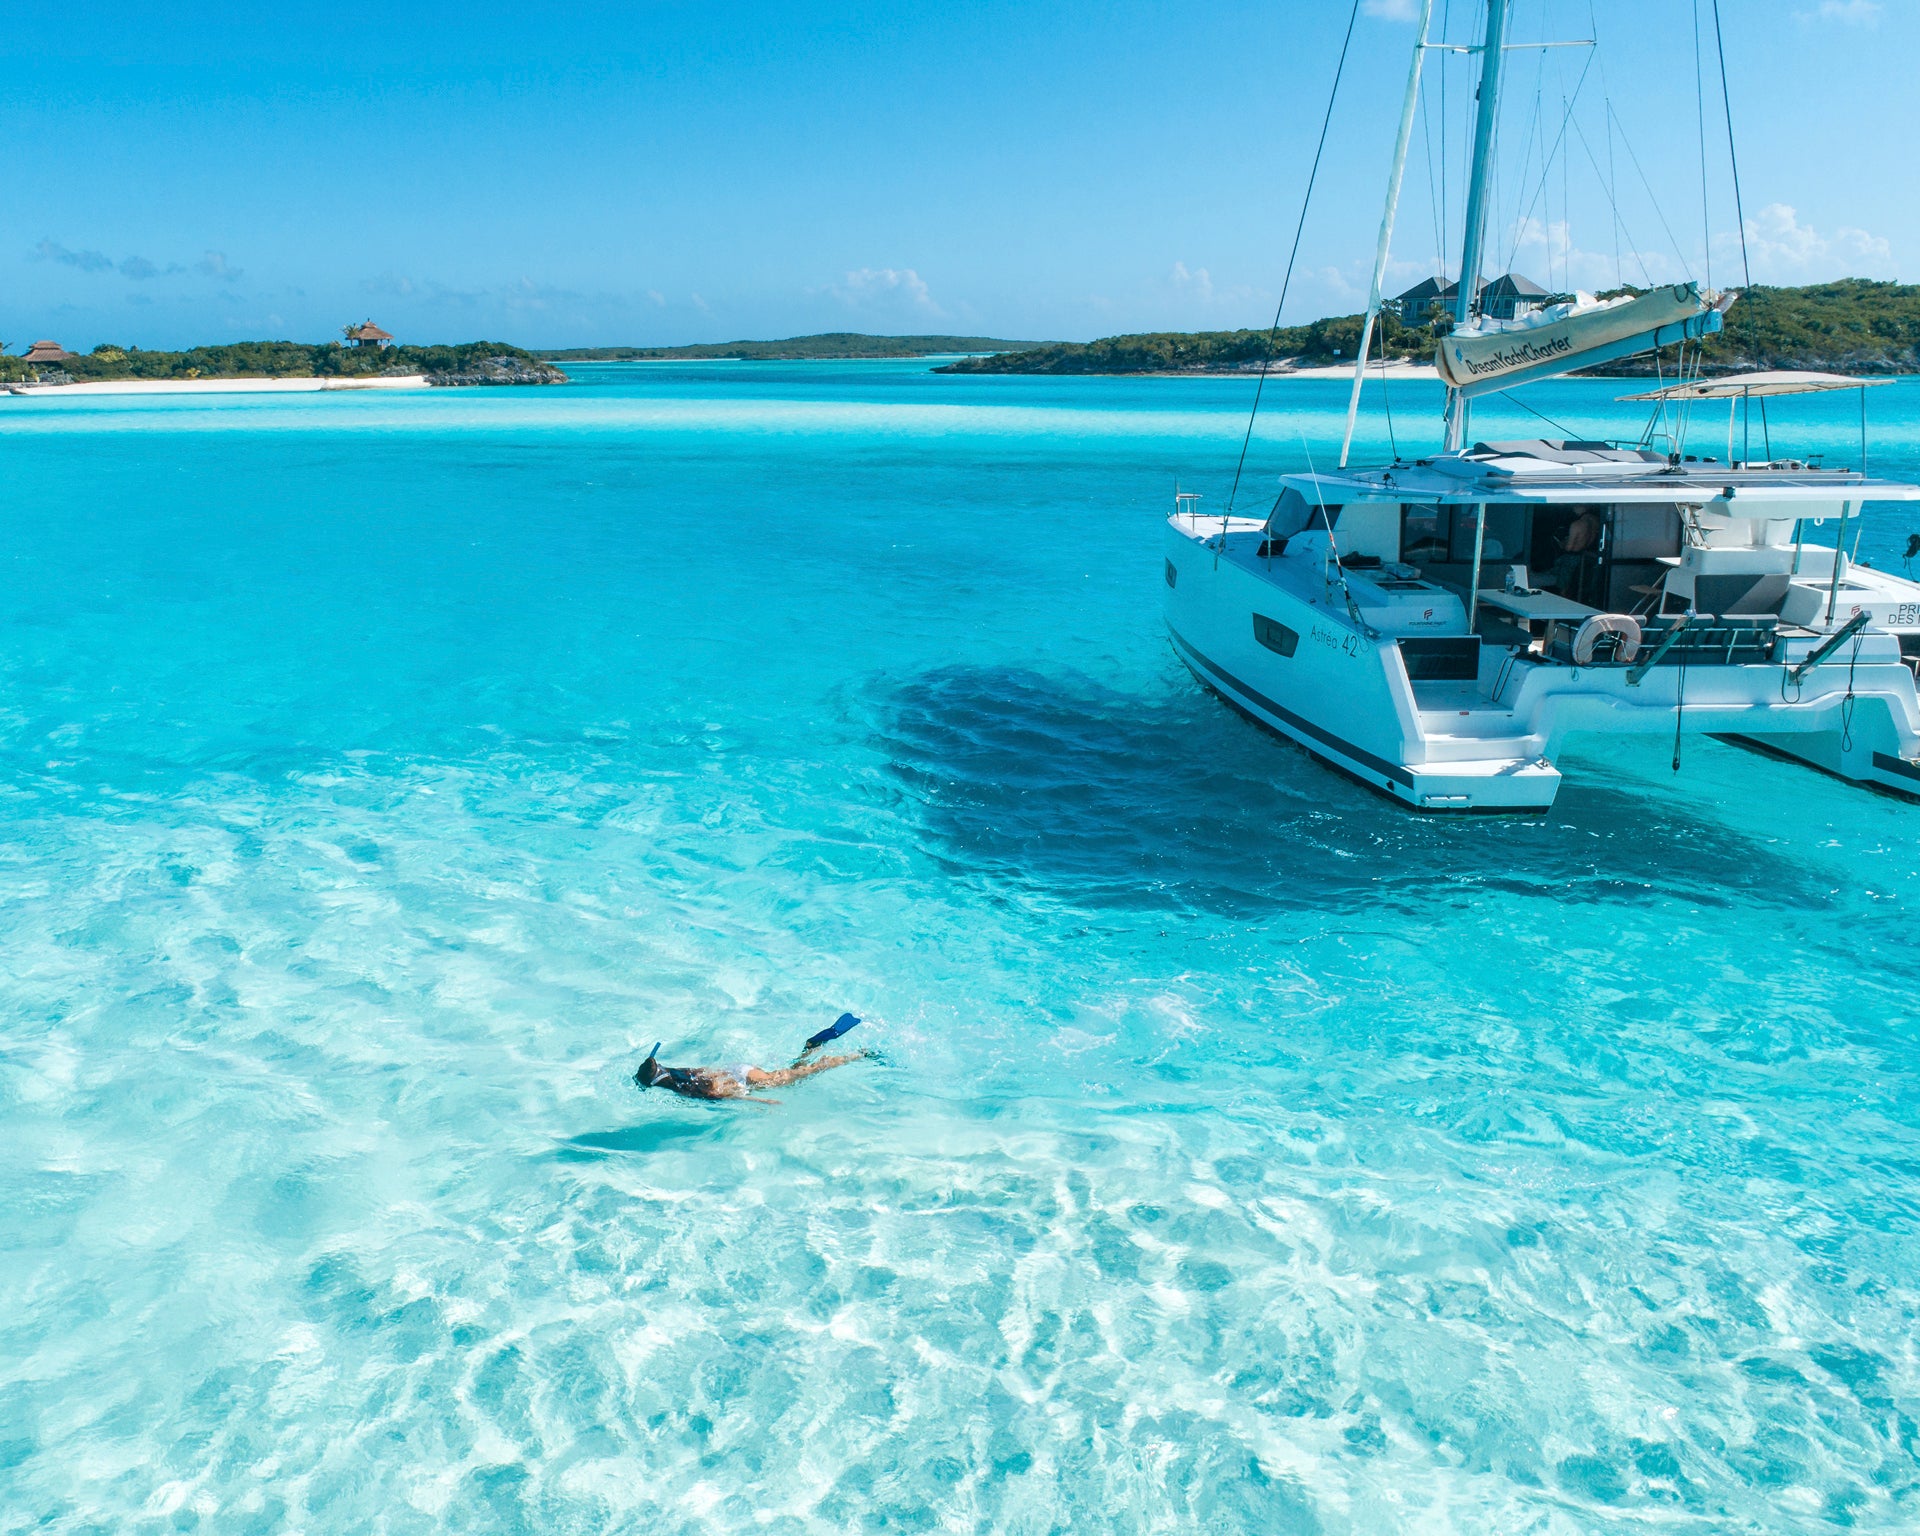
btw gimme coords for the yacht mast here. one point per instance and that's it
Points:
(1492, 58)
(1386, 223)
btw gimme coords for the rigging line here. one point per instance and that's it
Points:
(1739, 209)
(1700, 120)
(1618, 268)
(1533, 132)
(1619, 219)
(1526, 159)
(1386, 399)
(1679, 709)
(1433, 195)
(1333, 549)
(1847, 704)
(1546, 162)
(1607, 180)
(1446, 10)
(1658, 212)
(1547, 165)
(1266, 361)
(1733, 154)
(1559, 426)
(1566, 210)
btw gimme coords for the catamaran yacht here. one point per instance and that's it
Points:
(1437, 627)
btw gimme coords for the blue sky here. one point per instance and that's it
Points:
(666, 172)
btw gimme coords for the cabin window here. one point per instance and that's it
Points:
(1506, 534)
(1423, 534)
(1445, 535)
(1274, 635)
(1642, 532)
(1173, 576)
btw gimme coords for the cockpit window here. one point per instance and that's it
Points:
(1293, 513)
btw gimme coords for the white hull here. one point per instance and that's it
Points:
(1438, 627)
(1491, 743)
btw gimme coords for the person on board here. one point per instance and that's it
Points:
(1577, 541)
(739, 1081)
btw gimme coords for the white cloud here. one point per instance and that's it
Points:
(140, 269)
(214, 265)
(1782, 249)
(85, 261)
(886, 288)
(1848, 13)
(1342, 287)
(656, 298)
(1547, 253)
(1402, 10)
(1196, 290)
(1197, 284)
(134, 268)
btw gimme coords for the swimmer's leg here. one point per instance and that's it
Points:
(802, 1068)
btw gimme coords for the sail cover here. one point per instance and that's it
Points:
(1488, 354)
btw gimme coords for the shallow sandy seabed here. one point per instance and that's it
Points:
(381, 777)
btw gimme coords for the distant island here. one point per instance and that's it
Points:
(473, 362)
(831, 344)
(1322, 343)
(1852, 326)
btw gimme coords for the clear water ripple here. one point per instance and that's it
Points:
(379, 779)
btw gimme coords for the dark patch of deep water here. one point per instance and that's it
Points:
(1172, 802)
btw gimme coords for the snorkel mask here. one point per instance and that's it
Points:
(650, 1071)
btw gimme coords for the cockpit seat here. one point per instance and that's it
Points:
(1740, 594)
(1752, 594)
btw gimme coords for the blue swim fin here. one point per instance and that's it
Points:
(833, 1031)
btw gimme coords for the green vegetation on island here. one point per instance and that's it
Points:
(473, 362)
(1852, 326)
(833, 344)
(1856, 325)
(1304, 346)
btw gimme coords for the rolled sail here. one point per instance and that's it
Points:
(1488, 354)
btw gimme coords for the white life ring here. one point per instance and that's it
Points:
(1625, 625)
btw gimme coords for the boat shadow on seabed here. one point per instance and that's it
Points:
(1171, 803)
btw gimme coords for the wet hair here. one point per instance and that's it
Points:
(650, 1071)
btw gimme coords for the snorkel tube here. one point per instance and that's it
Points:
(649, 1071)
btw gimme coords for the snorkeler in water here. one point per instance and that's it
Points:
(738, 1082)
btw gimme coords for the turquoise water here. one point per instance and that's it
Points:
(382, 776)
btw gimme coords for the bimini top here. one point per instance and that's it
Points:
(1755, 386)
(1546, 470)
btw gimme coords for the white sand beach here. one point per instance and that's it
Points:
(220, 386)
(1393, 370)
